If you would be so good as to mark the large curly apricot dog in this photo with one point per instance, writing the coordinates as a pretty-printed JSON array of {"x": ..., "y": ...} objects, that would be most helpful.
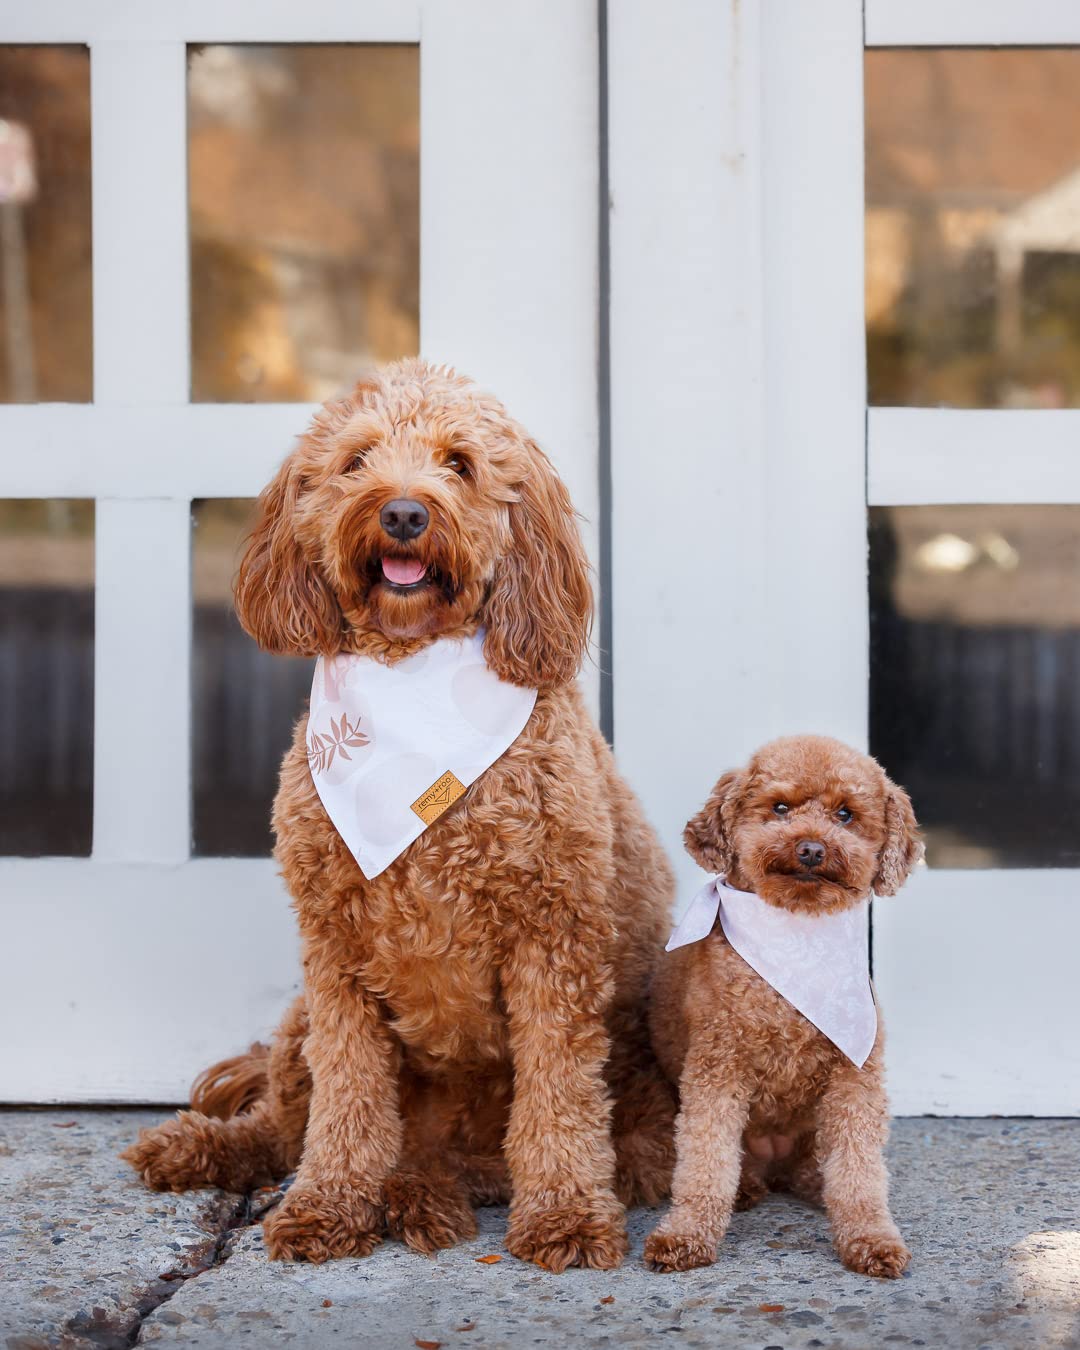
[
  {"x": 810, "y": 826},
  {"x": 473, "y": 1023}
]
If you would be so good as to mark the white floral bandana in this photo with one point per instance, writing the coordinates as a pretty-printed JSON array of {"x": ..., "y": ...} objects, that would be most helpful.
[
  {"x": 819, "y": 962},
  {"x": 391, "y": 747}
]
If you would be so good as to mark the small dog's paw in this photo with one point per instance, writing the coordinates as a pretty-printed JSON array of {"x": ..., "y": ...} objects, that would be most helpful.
[
  {"x": 677, "y": 1251},
  {"x": 425, "y": 1213},
  {"x": 880, "y": 1254},
  {"x": 317, "y": 1223},
  {"x": 187, "y": 1153},
  {"x": 578, "y": 1232}
]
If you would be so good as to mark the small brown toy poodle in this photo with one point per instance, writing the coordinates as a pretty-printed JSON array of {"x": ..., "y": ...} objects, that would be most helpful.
[
  {"x": 810, "y": 826},
  {"x": 473, "y": 1027}
]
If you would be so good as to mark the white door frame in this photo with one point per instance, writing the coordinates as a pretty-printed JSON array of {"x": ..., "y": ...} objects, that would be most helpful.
[
  {"x": 744, "y": 458},
  {"x": 978, "y": 964},
  {"x": 125, "y": 972},
  {"x": 739, "y": 425}
]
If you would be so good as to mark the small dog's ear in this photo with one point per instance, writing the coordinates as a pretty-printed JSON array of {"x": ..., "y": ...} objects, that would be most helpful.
[
  {"x": 539, "y": 609},
  {"x": 281, "y": 598},
  {"x": 903, "y": 847},
  {"x": 708, "y": 835}
]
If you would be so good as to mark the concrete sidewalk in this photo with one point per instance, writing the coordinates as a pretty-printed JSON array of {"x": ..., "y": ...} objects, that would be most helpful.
[{"x": 89, "y": 1258}]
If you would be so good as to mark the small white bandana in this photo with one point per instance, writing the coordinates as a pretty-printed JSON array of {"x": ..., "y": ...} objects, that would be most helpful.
[
  {"x": 819, "y": 962},
  {"x": 391, "y": 747}
]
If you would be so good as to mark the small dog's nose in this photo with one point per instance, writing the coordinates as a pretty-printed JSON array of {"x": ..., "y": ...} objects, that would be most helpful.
[
  {"x": 810, "y": 853},
  {"x": 403, "y": 518}
]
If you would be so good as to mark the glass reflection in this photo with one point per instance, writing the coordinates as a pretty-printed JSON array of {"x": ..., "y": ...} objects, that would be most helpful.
[
  {"x": 46, "y": 677},
  {"x": 244, "y": 702},
  {"x": 45, "y": 308},
  {"x": 304, "y": 172},
  {"x": 975, "y": 677},
  {"x": 973, "y": 227}
]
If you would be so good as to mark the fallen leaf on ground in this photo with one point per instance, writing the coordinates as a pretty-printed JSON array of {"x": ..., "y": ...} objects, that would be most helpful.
[
  {"x": 487, "y": 1260},
  {"x": 466, "y": 1326},
  {"x": 609, "y": 1299},
  {"x": 63, "y": 1124},
  {"x": 428, "y": 1345},
  {"x": 328, "y": 1302},
  {"x": 770, "y": 1307}
]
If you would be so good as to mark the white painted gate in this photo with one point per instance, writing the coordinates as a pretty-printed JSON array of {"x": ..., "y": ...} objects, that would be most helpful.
[
  {"x": 125, "y": 972},
  {"x": 743, "y": 460}
]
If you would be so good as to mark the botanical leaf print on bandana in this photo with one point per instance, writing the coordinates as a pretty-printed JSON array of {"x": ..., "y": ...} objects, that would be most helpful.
[{"x": 323, "y": 746}]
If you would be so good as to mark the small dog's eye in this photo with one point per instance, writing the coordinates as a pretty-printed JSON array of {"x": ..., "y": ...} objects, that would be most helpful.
[
  {"x": 780, "y": 809},
  {"x": 844, "y": 816},
  {"x": 458, "y": 465},
  {"x": 357, "y": 462}
]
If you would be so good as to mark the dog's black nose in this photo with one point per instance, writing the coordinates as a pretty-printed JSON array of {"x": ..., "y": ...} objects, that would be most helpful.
[
  {"x": 810, "y": 853},
  {"x": 403, "y": 518}
]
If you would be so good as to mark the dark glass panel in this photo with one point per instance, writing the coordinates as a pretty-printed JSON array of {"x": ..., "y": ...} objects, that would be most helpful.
[
  {"x": 975, "y": 677},
  {"x": 244, "y": 702},
  {"x": 46, "y": 677}
]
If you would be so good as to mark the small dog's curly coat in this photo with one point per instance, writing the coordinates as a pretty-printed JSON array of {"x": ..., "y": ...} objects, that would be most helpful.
[
  {"x": 765, "y": 1098},
  {"x": 473, "y": 1023}
]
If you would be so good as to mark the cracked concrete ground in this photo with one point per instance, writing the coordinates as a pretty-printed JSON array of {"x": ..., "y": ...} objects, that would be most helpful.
[{"x": 89, "y": 1258}]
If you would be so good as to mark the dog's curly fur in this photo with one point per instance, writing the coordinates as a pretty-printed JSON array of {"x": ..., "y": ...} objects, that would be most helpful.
[
  {"x": 765, "y": 1098},
  {"x": 473, "y": 1023}
]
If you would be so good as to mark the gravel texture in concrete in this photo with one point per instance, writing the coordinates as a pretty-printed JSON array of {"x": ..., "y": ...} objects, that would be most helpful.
[{"x": 990, "y": 1208}]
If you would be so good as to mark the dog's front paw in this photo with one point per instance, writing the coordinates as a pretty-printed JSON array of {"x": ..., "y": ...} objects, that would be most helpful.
[
  {"x": 318, "y": 1223},
  {"x": 580, "y": 1231},
  {"x": 880, "y": 1254},
  {"x": 427, "y": 1213},
  {"x": 678, "y": 1251}
]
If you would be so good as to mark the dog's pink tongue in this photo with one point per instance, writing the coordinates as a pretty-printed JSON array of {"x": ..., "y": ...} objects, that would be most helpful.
[{"x": 403, "y": 571}]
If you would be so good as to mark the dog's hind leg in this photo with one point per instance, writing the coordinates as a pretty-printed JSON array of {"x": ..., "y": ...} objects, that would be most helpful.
[
  {"x": 752, "y": 1185},
  {"x": 643, "y": 1113},
  {"x": 802, "y": 1175},
  {"x": 451, "y": 1159},
  {"x": 248, "y": 1126},
  {"x": 194, "y": 1150}
]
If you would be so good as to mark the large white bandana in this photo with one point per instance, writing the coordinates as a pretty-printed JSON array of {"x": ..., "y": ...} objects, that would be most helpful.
[
  {"x": 391, "y": 747},
  {"x": 819, "y": 962}
]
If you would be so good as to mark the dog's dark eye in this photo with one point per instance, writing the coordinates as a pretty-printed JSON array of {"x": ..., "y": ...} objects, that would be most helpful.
[
  {"x": 458, "y": 465},
  {"x": 844, "y": 816},
  {"x": 357, "y": 462},
  {"x": 780, "y": 809}
]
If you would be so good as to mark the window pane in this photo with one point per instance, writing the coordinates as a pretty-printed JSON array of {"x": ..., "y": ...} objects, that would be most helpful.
[
  {"x": 45, "y": 316},
  {"x": 244, "y": 702},
  {"x": 973, "y": 227},
  {"x": 305, "y": 220},
  {"x": 46, "y": 677},
  {"x": 975, "y": 677}
]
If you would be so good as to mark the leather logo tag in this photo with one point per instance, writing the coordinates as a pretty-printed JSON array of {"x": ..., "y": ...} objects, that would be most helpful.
[{"x": 443, "y": 793}]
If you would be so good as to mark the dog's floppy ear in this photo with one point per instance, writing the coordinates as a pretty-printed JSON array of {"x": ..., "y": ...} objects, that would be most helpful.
[
  {"x": 903, "y": 847},
  {"x": 708, "y": 835},
  {"x": 539, "y": 609},
  {"x": 281, "y": 598}
]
